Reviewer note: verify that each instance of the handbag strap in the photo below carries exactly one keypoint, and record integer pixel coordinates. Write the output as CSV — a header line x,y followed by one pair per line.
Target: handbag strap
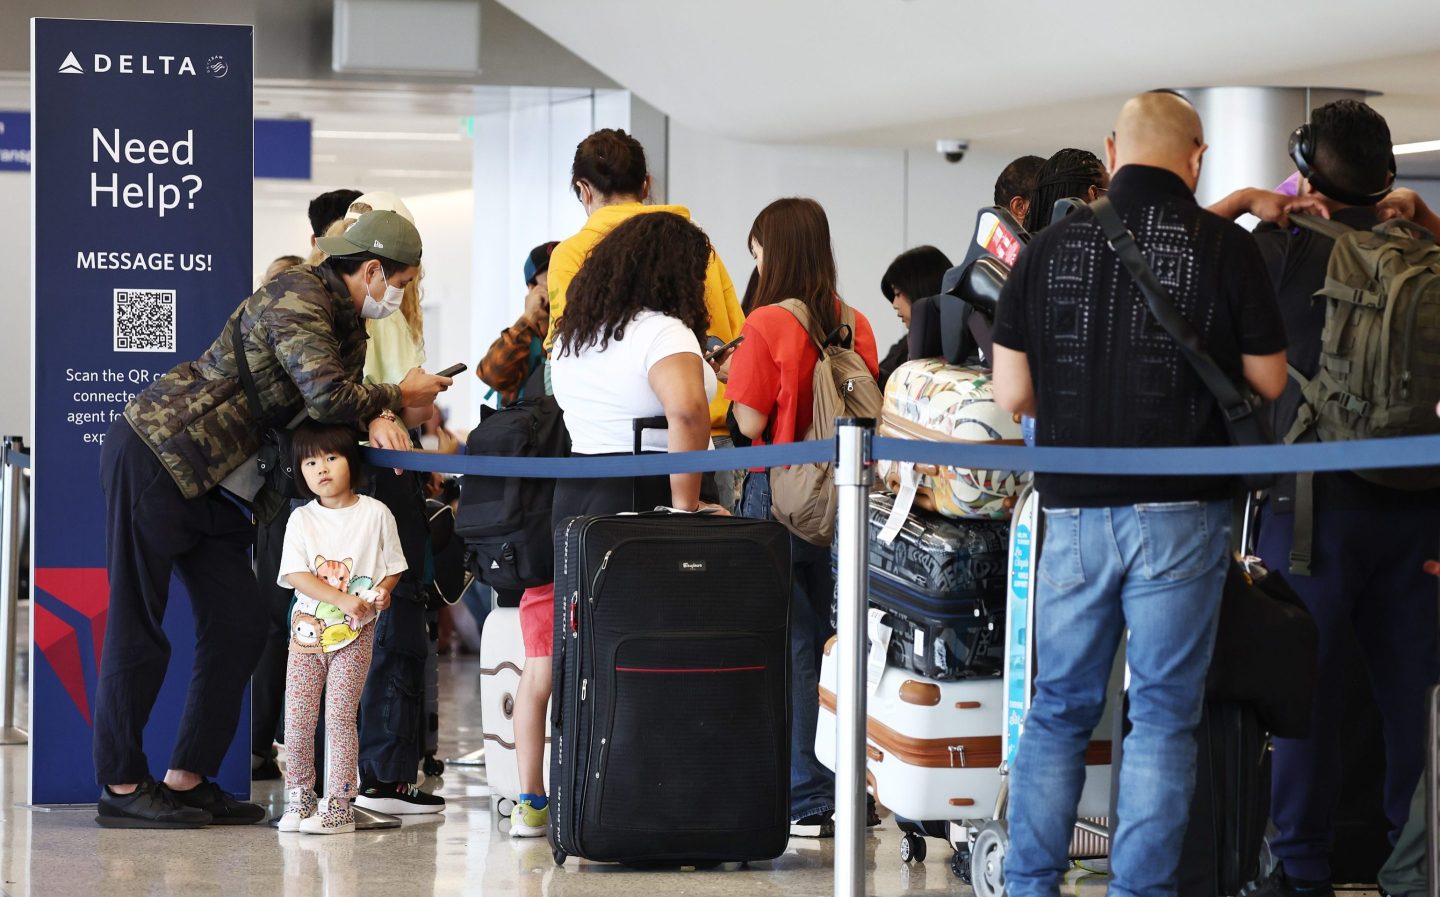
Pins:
x,y
247,380
1238,410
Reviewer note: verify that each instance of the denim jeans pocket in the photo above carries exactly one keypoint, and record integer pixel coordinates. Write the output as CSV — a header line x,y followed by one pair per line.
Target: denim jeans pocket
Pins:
x,y
1175,538
1060,565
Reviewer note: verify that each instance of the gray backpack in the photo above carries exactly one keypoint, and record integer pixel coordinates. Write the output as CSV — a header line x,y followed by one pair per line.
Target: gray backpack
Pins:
x,y
803,496
1379,370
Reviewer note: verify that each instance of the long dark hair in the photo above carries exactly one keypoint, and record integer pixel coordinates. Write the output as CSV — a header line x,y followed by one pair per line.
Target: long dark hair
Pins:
x,y
1070,172
654,261
799,261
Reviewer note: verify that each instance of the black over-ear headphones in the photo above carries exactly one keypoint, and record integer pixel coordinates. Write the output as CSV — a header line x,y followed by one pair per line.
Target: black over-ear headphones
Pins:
x,y
1302,151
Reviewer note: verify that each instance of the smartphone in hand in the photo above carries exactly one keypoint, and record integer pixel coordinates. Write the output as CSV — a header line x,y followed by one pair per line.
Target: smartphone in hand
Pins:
x,y
715,351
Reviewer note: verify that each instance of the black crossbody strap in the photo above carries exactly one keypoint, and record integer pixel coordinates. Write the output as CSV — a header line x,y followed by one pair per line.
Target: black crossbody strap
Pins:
x,y
1245,427
247,380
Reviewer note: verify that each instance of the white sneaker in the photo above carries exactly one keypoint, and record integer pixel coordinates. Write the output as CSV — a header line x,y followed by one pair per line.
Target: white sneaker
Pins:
x,y
334,817
299,805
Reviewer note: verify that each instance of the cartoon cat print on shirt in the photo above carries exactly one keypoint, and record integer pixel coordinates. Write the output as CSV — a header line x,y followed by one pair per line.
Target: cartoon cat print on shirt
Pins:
x,y
329,626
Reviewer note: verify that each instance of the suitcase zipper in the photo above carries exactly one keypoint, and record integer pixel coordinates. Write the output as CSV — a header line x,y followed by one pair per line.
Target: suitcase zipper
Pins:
x,y
600,576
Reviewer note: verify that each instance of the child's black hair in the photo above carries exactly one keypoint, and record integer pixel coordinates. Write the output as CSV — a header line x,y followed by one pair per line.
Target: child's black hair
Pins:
x,y
311,439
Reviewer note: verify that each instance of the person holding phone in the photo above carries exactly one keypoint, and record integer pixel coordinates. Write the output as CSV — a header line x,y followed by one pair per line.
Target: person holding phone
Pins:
x,y
518,353
162,466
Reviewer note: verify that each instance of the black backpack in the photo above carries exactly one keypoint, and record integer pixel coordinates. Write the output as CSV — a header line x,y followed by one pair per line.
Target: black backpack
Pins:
x,y
505,521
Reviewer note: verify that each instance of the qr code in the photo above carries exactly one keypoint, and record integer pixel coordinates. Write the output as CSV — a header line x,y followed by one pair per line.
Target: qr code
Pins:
x,y
144,320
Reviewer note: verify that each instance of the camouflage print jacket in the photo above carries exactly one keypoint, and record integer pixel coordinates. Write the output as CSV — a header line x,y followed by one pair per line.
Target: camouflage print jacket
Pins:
x,y
305,345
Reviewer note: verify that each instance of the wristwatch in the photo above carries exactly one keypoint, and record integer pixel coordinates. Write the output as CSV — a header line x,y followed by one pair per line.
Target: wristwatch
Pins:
x,y
387,414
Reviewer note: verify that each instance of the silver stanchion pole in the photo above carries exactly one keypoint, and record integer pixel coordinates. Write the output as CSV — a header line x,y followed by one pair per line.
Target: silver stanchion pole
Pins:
x,y
1432,800
12,497
852,484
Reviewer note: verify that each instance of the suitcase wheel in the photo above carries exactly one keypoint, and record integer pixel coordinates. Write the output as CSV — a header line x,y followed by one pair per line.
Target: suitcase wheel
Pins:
x,y
912,848
987,859
960,863
560,855
433,766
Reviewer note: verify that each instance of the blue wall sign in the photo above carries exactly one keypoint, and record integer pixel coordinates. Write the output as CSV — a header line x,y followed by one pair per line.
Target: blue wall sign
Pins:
x,y
143,229
14,141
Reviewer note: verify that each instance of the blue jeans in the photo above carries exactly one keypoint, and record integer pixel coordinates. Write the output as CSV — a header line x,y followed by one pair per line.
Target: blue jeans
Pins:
x,y
812,786
1158,570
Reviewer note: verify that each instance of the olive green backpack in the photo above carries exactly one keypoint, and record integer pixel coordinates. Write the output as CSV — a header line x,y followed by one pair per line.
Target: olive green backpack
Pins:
x,y
1379,372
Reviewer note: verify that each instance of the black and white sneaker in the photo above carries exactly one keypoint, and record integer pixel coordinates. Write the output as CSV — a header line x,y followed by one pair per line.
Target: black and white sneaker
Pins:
x,y
1278,884
398,799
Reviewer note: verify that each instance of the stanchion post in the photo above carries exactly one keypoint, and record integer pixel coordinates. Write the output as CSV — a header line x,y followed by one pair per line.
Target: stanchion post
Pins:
x,y
11,497
853,473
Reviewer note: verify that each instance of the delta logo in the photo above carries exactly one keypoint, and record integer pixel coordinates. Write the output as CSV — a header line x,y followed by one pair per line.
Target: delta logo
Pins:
x,y
144,64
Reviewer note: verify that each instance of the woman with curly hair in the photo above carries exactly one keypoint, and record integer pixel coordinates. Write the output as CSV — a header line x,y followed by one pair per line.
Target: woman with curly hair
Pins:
x,y
628,347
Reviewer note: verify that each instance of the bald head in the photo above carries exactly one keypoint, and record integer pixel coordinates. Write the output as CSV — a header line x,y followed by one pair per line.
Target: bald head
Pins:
x,y
1159,129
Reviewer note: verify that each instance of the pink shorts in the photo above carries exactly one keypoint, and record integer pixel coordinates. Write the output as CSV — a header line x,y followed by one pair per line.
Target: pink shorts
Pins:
x,y
537,620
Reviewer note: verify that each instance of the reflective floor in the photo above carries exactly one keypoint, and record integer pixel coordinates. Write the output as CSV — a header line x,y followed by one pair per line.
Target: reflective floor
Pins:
x,y
465,851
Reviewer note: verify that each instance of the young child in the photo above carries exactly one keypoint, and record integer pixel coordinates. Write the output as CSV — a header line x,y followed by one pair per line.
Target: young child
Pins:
x,y
342,557
531,816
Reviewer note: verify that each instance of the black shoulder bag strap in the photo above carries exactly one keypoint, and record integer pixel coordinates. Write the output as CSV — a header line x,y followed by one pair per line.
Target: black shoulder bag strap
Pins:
x,y
247,380
1241,418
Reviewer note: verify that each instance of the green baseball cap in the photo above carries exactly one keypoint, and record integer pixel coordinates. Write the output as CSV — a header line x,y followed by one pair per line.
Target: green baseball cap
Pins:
x,y
385,234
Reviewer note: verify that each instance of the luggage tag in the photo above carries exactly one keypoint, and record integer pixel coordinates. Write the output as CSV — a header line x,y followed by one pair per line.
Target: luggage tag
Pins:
x,y
879,646
904,501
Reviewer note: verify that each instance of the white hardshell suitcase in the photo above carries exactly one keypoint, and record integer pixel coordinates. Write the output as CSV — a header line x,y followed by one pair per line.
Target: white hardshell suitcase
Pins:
x,y
932,747
502,659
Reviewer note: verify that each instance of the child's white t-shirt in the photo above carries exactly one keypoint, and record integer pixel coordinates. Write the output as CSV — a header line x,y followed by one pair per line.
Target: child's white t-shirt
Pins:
x,y
352,549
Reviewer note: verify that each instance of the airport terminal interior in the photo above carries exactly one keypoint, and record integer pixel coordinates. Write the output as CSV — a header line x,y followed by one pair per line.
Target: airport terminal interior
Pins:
x,y
905,120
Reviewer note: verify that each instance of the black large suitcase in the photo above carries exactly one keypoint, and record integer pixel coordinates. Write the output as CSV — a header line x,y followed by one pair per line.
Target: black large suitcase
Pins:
x,y
941,584
1231,807
670,709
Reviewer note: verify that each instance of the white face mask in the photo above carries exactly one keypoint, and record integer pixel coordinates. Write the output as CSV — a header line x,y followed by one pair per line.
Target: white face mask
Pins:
x,y
384,307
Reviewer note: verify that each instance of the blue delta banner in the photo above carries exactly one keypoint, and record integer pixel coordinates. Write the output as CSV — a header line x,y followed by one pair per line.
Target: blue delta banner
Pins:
x,y
143,219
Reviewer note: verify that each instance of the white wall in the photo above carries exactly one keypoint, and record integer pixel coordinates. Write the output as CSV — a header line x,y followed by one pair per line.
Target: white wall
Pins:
x,y
445,221
880,202
15,335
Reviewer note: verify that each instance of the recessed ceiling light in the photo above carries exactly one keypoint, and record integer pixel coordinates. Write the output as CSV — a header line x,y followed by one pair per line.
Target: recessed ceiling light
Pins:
x,y
388,135
1424,146
420,173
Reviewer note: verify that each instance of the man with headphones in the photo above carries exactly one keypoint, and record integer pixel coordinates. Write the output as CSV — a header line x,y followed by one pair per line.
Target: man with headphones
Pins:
x,y
1369,542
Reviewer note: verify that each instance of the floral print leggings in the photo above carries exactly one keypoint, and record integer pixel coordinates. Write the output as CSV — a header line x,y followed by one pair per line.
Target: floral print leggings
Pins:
x,y
340,676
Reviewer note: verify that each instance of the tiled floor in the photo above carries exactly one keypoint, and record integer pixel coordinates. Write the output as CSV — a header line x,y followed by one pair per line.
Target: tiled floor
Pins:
x,y
466,851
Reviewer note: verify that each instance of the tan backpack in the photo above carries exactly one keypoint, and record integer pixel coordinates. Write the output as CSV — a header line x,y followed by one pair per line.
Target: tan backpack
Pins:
x,y
803,496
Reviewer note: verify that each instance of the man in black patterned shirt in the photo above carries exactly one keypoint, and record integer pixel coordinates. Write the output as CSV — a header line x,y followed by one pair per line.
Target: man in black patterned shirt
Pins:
x,y
1077,347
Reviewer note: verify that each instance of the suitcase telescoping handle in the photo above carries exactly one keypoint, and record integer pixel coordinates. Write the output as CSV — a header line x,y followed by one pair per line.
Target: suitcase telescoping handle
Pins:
x,y
641,424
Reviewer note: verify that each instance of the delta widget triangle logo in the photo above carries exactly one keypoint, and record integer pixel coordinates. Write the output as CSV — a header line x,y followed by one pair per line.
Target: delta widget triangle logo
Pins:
x,y
71,65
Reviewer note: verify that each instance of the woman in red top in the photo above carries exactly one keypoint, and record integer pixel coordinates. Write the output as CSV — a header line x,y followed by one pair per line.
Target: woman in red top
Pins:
x,y
769,383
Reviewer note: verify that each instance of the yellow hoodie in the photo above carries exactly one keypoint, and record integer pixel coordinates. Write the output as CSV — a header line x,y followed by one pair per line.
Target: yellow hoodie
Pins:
x,y
725,317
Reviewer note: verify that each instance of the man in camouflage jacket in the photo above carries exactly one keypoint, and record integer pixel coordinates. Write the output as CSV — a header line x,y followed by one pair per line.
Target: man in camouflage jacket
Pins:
x,y
304,340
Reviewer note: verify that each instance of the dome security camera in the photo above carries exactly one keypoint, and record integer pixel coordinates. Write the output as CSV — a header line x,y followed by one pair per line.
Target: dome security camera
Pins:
x,y
953,150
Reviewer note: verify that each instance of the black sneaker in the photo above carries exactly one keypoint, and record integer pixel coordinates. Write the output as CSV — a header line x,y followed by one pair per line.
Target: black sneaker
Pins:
x,y
1278,884
398,799
816,825
151,805
223,808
